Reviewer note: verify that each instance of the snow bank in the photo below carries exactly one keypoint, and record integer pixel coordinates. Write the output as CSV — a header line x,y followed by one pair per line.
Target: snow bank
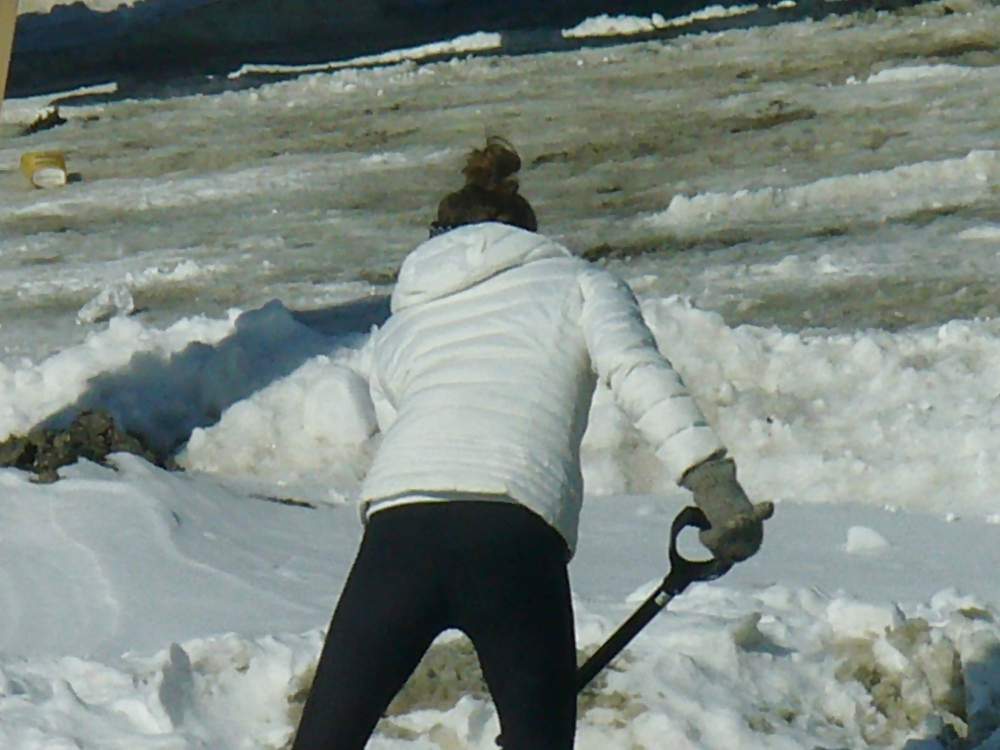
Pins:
x,y
465,44
833,202
24,111
34,391
905,419
622,25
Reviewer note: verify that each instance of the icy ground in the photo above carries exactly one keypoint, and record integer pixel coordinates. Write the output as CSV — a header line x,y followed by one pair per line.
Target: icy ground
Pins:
x,y
810,215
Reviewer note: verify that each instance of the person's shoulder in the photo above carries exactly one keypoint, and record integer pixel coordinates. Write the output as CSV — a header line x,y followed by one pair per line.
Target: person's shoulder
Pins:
x,y
591,271
601,283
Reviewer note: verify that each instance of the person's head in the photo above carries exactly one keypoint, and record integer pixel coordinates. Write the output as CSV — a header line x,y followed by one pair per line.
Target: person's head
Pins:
x,y
490,192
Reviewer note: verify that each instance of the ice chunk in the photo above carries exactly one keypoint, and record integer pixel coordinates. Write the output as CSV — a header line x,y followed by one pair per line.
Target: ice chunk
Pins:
x,y
856,619
115,299
864,541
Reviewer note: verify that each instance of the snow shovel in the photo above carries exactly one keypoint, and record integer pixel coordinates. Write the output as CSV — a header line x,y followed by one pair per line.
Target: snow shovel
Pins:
x,y
683,572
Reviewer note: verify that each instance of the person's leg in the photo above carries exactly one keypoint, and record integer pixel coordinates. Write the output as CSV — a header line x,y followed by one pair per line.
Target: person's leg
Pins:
x,y
515,606
387,616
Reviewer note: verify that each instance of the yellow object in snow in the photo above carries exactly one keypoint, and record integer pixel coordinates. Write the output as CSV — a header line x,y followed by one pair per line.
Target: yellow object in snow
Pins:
x,y
8,14
45,169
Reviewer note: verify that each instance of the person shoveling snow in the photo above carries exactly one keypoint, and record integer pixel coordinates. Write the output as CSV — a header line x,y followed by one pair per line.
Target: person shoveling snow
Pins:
x,y
482,381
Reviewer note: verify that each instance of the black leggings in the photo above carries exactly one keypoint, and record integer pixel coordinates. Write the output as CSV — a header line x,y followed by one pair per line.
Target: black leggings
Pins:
x,y
495,571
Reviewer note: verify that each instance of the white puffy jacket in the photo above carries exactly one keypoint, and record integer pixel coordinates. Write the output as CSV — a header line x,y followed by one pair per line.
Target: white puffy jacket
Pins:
x,y
482,378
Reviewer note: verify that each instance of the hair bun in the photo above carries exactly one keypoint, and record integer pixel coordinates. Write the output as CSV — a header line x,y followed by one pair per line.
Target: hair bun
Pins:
x,y
490,191
492,167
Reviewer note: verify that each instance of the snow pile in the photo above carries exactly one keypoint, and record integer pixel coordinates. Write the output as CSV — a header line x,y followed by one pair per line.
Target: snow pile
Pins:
x,y
207,693
863,676
743,662
164,398
309,430
35,391
885,418
904,419
793,670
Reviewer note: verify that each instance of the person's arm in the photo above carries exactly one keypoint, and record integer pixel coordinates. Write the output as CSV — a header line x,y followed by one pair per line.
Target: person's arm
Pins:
x,y
645,385
624,354
367,365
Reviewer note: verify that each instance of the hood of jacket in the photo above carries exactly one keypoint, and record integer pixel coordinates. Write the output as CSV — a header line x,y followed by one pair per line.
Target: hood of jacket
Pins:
x,y
465,256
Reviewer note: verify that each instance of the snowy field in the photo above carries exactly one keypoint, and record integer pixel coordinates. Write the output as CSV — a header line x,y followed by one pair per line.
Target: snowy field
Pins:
x,y
810,214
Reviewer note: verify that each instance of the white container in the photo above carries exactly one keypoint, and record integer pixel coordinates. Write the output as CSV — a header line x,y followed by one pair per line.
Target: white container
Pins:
x,y
45,169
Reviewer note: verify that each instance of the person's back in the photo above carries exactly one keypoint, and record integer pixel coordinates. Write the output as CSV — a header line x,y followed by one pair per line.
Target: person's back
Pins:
x,y
485,388
482,380
483,377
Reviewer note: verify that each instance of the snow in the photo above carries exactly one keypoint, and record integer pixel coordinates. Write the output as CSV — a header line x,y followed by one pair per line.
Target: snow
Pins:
x,y
823,204
988,233
920,72
607,25
862,540
460,45
46,6
808,215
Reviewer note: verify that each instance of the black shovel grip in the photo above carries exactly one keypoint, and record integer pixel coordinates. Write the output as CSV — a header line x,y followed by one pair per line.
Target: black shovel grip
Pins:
x,y
683,571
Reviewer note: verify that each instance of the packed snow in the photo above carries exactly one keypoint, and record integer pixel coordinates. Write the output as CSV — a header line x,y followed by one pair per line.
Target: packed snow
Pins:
x,y
808,213
607,25
46,6
467,44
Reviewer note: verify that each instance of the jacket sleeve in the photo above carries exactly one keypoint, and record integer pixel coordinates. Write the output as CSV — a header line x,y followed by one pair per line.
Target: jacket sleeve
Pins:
x,y
367,365
645,385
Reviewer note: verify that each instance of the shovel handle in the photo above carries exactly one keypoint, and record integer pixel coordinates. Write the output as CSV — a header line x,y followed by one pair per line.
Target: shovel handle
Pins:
x,y
683,572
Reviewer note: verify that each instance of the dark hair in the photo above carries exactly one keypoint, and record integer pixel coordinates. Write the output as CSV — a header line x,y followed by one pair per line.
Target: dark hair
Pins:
x,y
490,192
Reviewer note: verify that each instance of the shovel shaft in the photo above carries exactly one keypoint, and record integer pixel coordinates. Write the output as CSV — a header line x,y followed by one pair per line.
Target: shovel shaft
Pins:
x,y
621,637
682,573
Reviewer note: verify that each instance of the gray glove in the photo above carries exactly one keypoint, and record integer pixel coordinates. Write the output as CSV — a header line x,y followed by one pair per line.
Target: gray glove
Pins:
x,y
736,526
